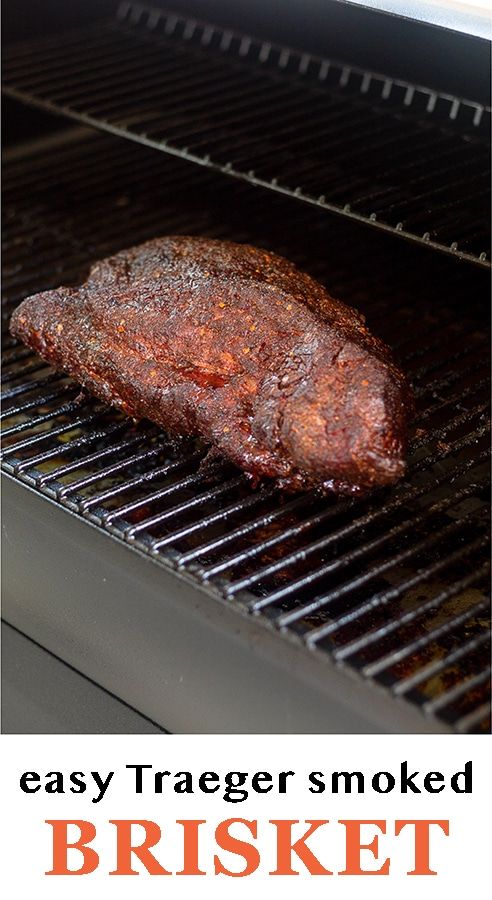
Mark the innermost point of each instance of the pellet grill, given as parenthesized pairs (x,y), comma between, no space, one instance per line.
(205,604)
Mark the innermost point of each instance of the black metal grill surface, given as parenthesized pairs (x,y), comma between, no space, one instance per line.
(394,586)
(395,155)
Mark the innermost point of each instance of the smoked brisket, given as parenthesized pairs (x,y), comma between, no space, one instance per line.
(236,345)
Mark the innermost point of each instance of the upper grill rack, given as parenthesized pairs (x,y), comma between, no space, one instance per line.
(400,157)
(393,586)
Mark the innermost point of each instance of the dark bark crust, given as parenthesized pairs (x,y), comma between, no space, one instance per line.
(236,345)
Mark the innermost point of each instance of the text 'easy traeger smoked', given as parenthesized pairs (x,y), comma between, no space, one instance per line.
(235,787)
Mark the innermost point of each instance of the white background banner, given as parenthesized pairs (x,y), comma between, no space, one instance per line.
(461,859)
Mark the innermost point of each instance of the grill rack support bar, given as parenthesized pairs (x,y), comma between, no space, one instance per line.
(151,25)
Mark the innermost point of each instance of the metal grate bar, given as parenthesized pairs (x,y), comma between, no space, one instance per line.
(474,718)
(112,164)
(69,407)
(35,402)
(87,460)
(41,48)
(185,506)
(406,618)
(29,370)
(401,499)
(378,600)
(54,432)
(478,411)
(16,354)
(240,507)
(449,379)
(189,481)
(284,57)
(75,165)
(457,656)
(436,633)
(261,522)
(139,480)
(116,467)
(462,688)
(75,444)
(435,667)
(106,49)
(336,536)
(29,386)
(455,400)
(242,531)
(266,115)
(303,611)
(357,582)
(450,659)
(424,371)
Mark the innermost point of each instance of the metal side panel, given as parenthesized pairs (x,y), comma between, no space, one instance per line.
(42,695)
(179,656)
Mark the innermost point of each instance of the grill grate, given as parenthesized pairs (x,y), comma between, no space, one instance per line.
(393,586)
(397,156)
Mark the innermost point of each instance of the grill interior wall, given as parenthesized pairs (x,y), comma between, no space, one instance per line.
(393,586)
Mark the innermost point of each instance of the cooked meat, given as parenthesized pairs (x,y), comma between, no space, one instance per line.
(236,345)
